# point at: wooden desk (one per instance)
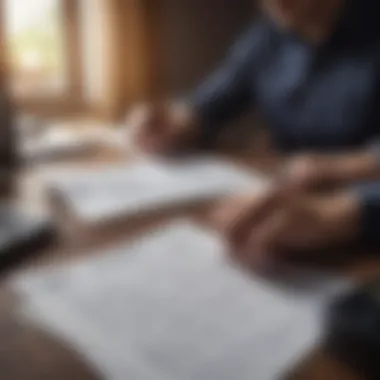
(29, 354)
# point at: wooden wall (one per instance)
(8, 157)
(195, 36)
(168, 46)
(136, 50)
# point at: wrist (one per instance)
(357, 166)
(342, 214)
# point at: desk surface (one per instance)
(29, 354)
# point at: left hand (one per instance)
(312, 171)
(260, 226)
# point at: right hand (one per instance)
(266, 227)
(161, 129)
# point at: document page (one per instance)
(172, 307)
(145, 186)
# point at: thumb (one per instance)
(265, 242)
(158, 115)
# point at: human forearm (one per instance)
(318, 170)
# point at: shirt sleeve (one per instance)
(375, 147)
(369, 195)
(229, 90)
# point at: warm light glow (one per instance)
(30, 60)
(23, 13)
(36, 46)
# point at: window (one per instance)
(43, 52)
(36, 43)
(72, 56)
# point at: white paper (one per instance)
(171, 307)
(103, 193)
(66, 141)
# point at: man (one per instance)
(313, 68)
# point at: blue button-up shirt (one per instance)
(321, 98)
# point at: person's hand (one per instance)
(315, 171)
(263, 227)
(163, 128)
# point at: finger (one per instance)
(148, 119)
(153, 136)
(138, 125)
(224, 212)
(246, 221)
(302, 173)
(298, 228)
(158, 116)
(230, 217)
(228, 214)
(155, 144)
(266, 241)
(148, 143)
(162, 144)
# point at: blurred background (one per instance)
(75, 65)
(97, 57)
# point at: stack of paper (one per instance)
(172, 307)
(105, 193)
(65, 141)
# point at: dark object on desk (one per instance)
(9, 162)
(21, 235)
(20, 232)
(353, 329)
